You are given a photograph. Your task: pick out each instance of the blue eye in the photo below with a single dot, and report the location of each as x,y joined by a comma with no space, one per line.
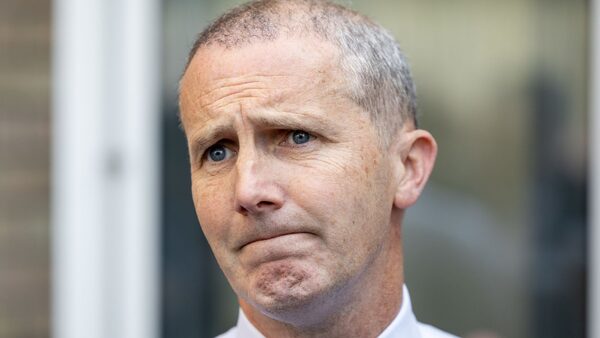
217,153
300,137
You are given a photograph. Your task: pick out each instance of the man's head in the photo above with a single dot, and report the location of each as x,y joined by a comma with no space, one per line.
300,189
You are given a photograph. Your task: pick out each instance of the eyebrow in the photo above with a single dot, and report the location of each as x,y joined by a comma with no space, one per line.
271,119
266,119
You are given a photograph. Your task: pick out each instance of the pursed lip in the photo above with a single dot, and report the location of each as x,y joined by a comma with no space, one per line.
266,237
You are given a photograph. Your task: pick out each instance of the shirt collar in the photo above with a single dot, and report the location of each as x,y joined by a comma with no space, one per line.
245,329
404,325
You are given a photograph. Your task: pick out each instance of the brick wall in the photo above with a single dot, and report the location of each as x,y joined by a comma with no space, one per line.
24,167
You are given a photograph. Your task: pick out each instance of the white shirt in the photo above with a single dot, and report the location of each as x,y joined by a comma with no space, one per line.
405,325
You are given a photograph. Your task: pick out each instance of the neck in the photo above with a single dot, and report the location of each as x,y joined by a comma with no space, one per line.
369,305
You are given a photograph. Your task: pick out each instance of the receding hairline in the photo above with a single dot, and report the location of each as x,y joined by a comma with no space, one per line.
237,28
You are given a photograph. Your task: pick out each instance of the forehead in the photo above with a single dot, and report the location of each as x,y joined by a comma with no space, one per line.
273,69
286,54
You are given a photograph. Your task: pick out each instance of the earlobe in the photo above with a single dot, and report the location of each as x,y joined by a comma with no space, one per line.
416,152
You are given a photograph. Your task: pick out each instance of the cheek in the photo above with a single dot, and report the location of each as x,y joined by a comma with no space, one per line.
212,205
334,194
350,202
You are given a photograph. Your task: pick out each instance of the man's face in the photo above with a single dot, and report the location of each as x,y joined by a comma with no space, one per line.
291,187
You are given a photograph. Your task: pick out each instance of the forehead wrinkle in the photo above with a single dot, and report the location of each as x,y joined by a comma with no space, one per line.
223,83
201,108
223,90
221,96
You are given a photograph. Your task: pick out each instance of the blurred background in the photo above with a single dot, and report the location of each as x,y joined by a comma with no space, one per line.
98,235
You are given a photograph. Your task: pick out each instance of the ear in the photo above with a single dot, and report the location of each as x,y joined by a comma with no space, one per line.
415,152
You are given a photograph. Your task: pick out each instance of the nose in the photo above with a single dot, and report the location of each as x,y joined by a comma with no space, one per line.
256,188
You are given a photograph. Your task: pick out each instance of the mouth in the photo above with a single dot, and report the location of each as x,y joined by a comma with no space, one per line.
267,237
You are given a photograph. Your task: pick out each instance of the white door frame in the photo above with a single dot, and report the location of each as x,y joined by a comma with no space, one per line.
106,168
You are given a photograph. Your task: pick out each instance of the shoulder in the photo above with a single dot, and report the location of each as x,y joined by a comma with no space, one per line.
231,333
428,331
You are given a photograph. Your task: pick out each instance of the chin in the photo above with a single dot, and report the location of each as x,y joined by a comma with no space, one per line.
282,290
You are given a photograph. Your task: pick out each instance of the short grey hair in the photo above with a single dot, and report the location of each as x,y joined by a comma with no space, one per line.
379,76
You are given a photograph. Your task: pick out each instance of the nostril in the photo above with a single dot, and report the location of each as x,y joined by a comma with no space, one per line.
242,210
264,204
260,206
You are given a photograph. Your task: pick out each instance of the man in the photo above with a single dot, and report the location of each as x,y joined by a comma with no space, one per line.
304,151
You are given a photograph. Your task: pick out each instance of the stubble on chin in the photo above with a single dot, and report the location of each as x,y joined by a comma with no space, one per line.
284,285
